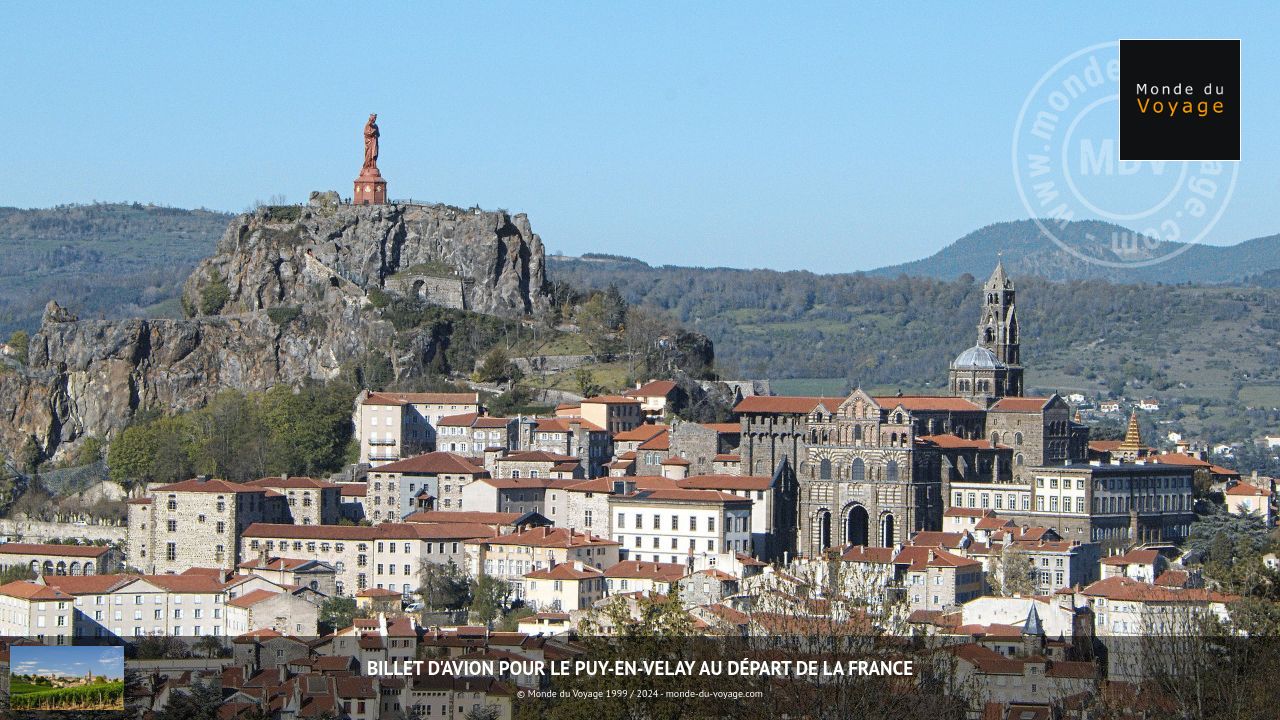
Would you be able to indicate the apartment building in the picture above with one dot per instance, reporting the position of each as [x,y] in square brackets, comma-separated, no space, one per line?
[30,609]
[392,425]
[534,464]
[423,482]
[473,434]
[771,516]
[300,572]
[678,525]
[647,577]
[935,579]
[196,523]
[574,437]
[614,413]
[510,557]
[564,588]
[655,397]
[310,501]
[585,505]
[388,556]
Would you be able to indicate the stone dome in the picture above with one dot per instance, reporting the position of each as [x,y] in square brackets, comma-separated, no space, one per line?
[977,357]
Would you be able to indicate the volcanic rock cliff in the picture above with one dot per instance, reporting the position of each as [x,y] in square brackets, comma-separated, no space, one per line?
[288,295]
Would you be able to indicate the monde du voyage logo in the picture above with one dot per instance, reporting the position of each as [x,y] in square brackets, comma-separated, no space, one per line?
[1142,134]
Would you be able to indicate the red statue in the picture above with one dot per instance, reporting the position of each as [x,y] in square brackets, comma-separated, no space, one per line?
[371,143]
[370,188]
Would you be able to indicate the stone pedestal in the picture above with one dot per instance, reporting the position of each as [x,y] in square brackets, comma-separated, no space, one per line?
[370,189]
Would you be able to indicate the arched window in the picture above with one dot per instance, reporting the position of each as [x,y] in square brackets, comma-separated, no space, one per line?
[1017,459]
[1017,438]
[857,432]
[824,469]
[897,418]
[858,470]
[891,471]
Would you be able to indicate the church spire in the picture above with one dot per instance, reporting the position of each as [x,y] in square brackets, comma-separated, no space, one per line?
[1132,447]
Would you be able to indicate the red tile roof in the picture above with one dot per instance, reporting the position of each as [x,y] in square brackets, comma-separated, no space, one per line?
[661,441]
[377,593]
[291,482]
[432,463]
[566,571]
[89,551]
[88,584]
[605,484]
[635,569]
[564,425]
[611,400]
[1119,587]
[784,404]
[253,597]
[724,428]
[32,591]
[1241,489]
[463,516]
[538,456]
[676,460]
[864,554]
[653,388]
[727,482]
[1020,404]
[640,433]
[684,495]
[463,420]
[1138,557]
[401,398]
[547,537]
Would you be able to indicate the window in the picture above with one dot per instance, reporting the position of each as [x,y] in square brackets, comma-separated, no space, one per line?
[172,525]
[171,551]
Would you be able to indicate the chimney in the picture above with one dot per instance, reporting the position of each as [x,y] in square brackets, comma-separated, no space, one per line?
[284,476]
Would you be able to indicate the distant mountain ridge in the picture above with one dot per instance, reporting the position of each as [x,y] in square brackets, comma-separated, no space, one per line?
[1025,251]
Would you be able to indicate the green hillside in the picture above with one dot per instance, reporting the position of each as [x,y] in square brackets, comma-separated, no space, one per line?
[113,260]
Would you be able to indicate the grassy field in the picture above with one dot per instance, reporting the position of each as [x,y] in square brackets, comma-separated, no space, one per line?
[98,696]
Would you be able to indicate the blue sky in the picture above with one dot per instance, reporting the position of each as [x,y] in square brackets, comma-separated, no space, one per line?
[107,661]
[830,137]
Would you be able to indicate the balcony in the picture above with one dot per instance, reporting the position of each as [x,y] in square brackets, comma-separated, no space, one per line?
[383,441]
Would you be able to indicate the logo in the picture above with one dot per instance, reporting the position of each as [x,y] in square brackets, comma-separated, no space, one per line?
[1067,167]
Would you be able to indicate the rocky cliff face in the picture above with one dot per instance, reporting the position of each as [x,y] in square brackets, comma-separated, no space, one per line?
[295,305]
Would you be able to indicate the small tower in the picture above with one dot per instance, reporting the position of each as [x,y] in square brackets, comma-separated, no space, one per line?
[991,369]
[1033,633]
[1132,448]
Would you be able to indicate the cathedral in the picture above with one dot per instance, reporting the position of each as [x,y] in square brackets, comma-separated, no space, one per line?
[872,470]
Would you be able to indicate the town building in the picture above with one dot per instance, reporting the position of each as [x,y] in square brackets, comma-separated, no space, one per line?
[196,523]
[677,525]
[575,437]
[395,425]
[58,559]
[429,481]
[564,587]
[614,413]
[656,398]
[37,611]
[510,557]
[310,501]
[1241,499]
[472,433]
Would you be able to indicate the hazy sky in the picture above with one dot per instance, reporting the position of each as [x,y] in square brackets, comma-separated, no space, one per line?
[826,137]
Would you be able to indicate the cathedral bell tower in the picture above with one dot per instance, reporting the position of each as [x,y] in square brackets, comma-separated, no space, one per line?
[991,369]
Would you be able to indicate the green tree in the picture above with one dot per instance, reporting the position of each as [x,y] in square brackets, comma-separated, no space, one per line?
[489,596]
[20,344]
[200,702]
[1019,572]
[30,455]
[338,612]
[444,586]
[483,712]
[214,296]
[496,366]
[90,451]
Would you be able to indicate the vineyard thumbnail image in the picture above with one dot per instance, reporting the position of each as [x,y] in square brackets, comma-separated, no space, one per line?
[66,678]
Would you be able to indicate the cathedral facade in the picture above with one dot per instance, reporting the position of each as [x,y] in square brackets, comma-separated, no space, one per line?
[872,470]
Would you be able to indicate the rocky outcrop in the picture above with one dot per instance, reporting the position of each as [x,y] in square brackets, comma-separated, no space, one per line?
[295,305]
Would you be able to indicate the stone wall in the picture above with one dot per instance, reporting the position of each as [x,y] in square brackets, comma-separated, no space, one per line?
[36,531]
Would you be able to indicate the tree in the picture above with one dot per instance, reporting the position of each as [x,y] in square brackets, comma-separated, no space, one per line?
[30,455]
[489,597]
[198,702]
[483,712]
[585,382]
[209,645]
[338,612]
[20,344]
[444,587]
[1019,572]
[214,296]
[496,366]
[90,451]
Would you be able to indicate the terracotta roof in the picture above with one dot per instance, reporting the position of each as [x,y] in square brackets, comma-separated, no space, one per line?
[432,463]
[546,537]
[1139,557]
[784,404]
[402,398]
[932,538]
[253,597]
[89,551]
[605,484]
[1105,445]
[611,400]
[726,457]
[463,516]
[88,584]
[727,482]
[209,486]
[661,572]
[275,563]
[566,571]
[967,512]
[292,481]
[564,425]
[653,388]
[354,489]
[640,433]
[1241,489]
[1119,587]
[927,402]
[32,591]
[1020,404]
[538,456]
[676,460]
[948,441]
[716,574]
[377,593]
[1173,578]
[918,558]
[724,428]
[683,495]
[185,583]
[661,441]
[463,420]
